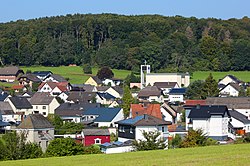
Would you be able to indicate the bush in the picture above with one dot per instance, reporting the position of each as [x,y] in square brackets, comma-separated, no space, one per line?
[93,149]
[64,147]
[175,142]
[87,69]
[194,138]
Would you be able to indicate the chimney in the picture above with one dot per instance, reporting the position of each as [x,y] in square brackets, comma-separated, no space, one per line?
[198,106]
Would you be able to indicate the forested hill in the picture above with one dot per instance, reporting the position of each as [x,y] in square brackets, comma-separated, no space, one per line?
[124,42]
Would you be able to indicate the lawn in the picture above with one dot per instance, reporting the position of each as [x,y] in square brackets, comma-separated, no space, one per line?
[74,73]
[213,155]
[202,75]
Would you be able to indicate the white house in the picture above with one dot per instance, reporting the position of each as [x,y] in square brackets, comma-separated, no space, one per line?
[213,120]
[150,93]
[177,94]
[229,79]
[112,81]
[170,114]
[20,105]
[44,103]
[239,121]
[231,89]
[133,128]
[103,116]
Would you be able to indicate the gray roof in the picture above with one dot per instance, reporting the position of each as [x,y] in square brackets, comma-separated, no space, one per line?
[95,132]
[31,77]
[235,79]
[102,88]
[118,89]
[41,98]
[230,102]
[57,77]
[10,70]
[5,108]
[74,109]
[20,102]
[240,117]
[208,110]
[79,96]
[3,95]
[149,91]
[234,85]
[165,84]
[35,121]
[97,80]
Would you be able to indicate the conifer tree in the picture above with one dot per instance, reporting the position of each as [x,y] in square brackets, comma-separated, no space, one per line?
[210,87]
[127,100]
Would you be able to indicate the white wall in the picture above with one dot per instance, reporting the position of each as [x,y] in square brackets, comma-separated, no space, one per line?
[173,98]
[245,112]
[45,88]
[118,149]
[226,80]
[201,124]
[230,91]
[167,77]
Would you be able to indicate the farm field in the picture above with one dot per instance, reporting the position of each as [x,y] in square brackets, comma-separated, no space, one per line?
[74,73]
[211,155]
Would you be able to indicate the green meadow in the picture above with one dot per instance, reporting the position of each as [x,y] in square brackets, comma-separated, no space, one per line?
[238,154]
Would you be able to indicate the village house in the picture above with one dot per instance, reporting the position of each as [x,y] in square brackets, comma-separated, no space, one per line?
[103,116]
[38,130]
[54,78]
[149,109]
[81,97]
[8,114]
[112,81]
[10,73]
[104,98]
[117,147]
[73,112]
[231,89]
[42,74]
[166,86]
[150,94]
[239,122]
[176,95]
[171,113]
[43,103]
[20,105]
[240,104]
[54,88]
[95,136]
[94,80]
[133,128]
[29,80]
[213,120]
[229,79]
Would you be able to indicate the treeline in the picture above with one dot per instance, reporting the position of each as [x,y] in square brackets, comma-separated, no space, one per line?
[124,42]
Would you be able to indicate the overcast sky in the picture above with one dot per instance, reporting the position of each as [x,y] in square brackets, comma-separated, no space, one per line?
[12,10]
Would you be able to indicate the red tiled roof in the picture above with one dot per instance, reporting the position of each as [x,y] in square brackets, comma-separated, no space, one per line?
[195,102]
[150,109]
[61,85]
[17,87]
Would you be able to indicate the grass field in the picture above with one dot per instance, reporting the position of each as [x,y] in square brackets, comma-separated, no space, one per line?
[74,73]
[202,75]
[213,155]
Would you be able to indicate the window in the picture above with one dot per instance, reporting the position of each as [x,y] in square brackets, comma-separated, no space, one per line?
[97,141]
[36,107]
[47,143]
[131,130]
[36,112]
[44,107]
[44,113]
[162,129]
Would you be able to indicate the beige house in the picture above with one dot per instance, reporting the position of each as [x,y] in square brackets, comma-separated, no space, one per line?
[37,129]
[94,80]
[43,103]
[10,73]
[20,105]
[182,79]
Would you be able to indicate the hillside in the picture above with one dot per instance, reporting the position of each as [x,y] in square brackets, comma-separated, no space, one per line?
[175,44]
[213,155]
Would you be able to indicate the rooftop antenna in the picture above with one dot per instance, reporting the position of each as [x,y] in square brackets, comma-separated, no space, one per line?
[145,69]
